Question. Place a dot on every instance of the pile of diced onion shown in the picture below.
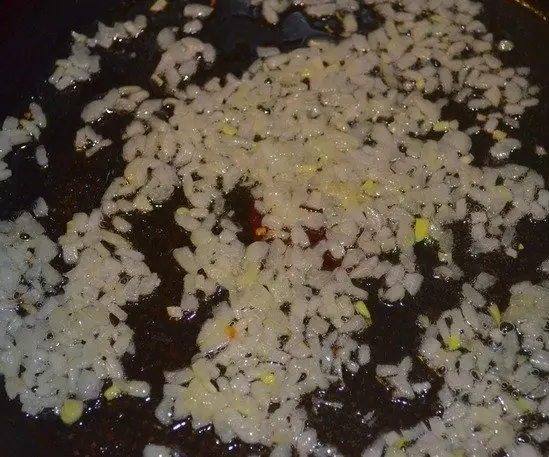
(346, 141)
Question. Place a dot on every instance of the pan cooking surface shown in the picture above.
(72, 183)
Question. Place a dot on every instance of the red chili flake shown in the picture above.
(230, 331)
(255, 217)
(260, 232)
(254, 220)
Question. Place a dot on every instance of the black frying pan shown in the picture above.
(33, 34)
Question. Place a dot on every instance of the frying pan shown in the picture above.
(34, 33)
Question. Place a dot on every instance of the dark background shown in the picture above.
(30, 32)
